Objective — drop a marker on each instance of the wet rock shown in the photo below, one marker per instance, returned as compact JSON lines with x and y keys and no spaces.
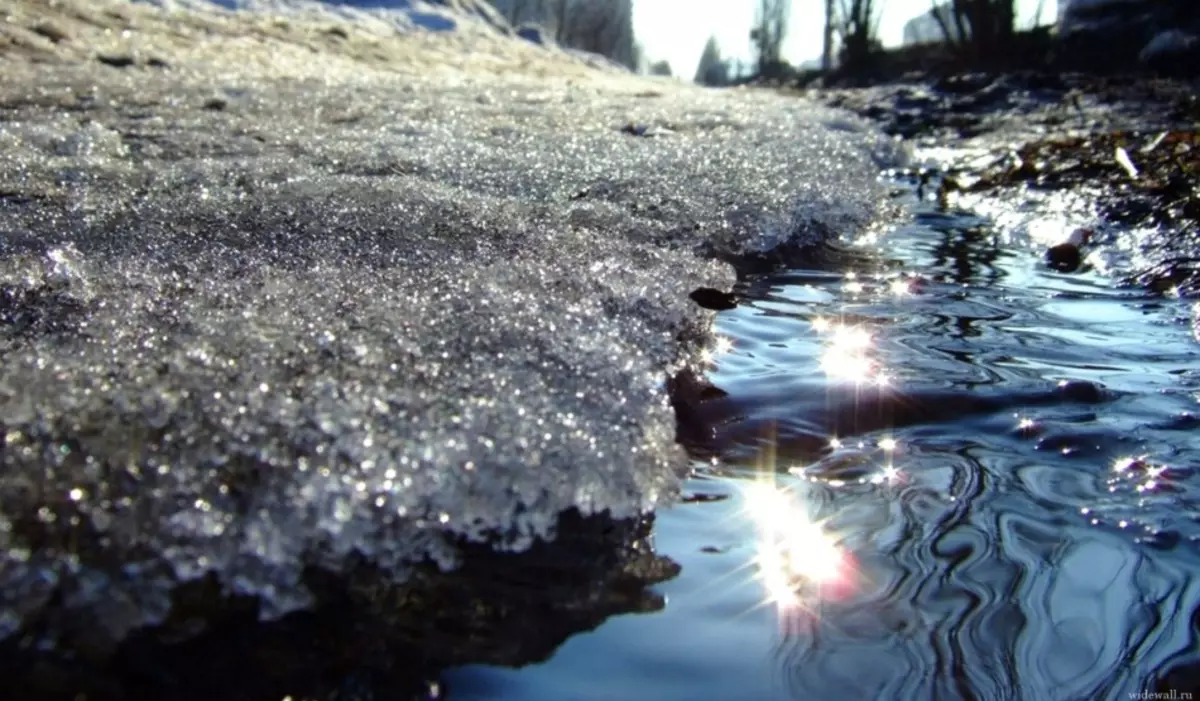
{"x":702,"y":498}
{"x":713,"y":299}
{"x":1083,"y":391}
{"x":1186,"y":421}
{"x":1067,"y":256}
{"x":640,"y":130}
{"x":699,"y":409}
{"x":1064,"y":258}
{"x":1162,"y":539}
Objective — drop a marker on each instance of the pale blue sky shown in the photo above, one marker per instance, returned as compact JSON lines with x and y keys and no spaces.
{"x":676,"y":30}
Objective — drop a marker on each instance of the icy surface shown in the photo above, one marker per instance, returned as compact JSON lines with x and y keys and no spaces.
{"x":267,"y":309}
{"x":405,"y":15}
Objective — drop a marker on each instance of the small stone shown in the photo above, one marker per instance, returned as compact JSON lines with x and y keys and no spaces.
{"x":51,"y":31}
{"x":714,"y":299}
{"x":116,"y":60}
{"x":1067,"y":256}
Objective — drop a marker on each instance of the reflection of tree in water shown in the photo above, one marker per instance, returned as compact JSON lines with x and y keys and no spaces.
{"x":970,"y":252}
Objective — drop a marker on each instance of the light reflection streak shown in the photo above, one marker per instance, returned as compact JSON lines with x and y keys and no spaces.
{"x":1151,"y":477}
{"x":721,"y":346}
{"x":1196,"y":321}
{"x":799,"y":564}
{"x":889,"y":475}
{"x":846,"y":357}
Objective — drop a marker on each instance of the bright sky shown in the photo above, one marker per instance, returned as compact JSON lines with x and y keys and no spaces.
{"x":676,"y":30}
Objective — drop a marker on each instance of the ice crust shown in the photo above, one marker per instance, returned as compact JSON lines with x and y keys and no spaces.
{"x":403,"y":15}
{"x":358,"y":309}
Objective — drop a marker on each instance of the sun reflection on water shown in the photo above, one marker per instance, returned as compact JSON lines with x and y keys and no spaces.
{"x":722,"y":345}
{"x":846,"y":356}
{"x":799,"y":563}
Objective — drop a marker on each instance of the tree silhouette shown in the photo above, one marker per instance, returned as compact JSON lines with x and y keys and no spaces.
{"x":712,"y":69}
{"x":985,"y":26}
{"x":770,"y":29}
{"x":602,"y":27}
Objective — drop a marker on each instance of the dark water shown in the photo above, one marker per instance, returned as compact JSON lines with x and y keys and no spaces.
{"x":975,"y":531}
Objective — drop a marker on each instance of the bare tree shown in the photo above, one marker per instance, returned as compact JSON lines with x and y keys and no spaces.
{"x":986,"y":26}
{"x":557,"y":10}
{"x":1036,"y":21}
{"x":602,"y":27}
{"x":770,"y":29}
{"x":858,"y":28}
{"x":519,"y":12}
{"x":949,"y":23}
{"x":827,"y":43}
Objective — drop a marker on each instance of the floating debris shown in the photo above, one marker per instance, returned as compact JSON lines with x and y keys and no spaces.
{"x":1124,"y":161}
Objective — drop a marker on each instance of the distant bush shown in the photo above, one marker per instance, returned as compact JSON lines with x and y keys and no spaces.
{"x":660,"y":68}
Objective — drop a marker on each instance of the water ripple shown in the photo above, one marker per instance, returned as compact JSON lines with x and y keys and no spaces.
{"x":1001,"y":463}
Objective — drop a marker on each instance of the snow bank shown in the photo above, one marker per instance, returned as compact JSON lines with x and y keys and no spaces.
{"x":330,"y":308}
{"x":404,"y":15}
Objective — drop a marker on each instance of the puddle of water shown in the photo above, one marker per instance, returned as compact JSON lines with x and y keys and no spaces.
{"x":983,"y":538}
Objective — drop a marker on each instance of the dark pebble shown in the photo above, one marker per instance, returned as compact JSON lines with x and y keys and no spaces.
{"x":703,"y":498}
{"x":714,"y":299}
{"x":1064,"y":258}
{"x":51,"y":31}
{"x":1082,"y":391}
{"x":116,"y":60}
